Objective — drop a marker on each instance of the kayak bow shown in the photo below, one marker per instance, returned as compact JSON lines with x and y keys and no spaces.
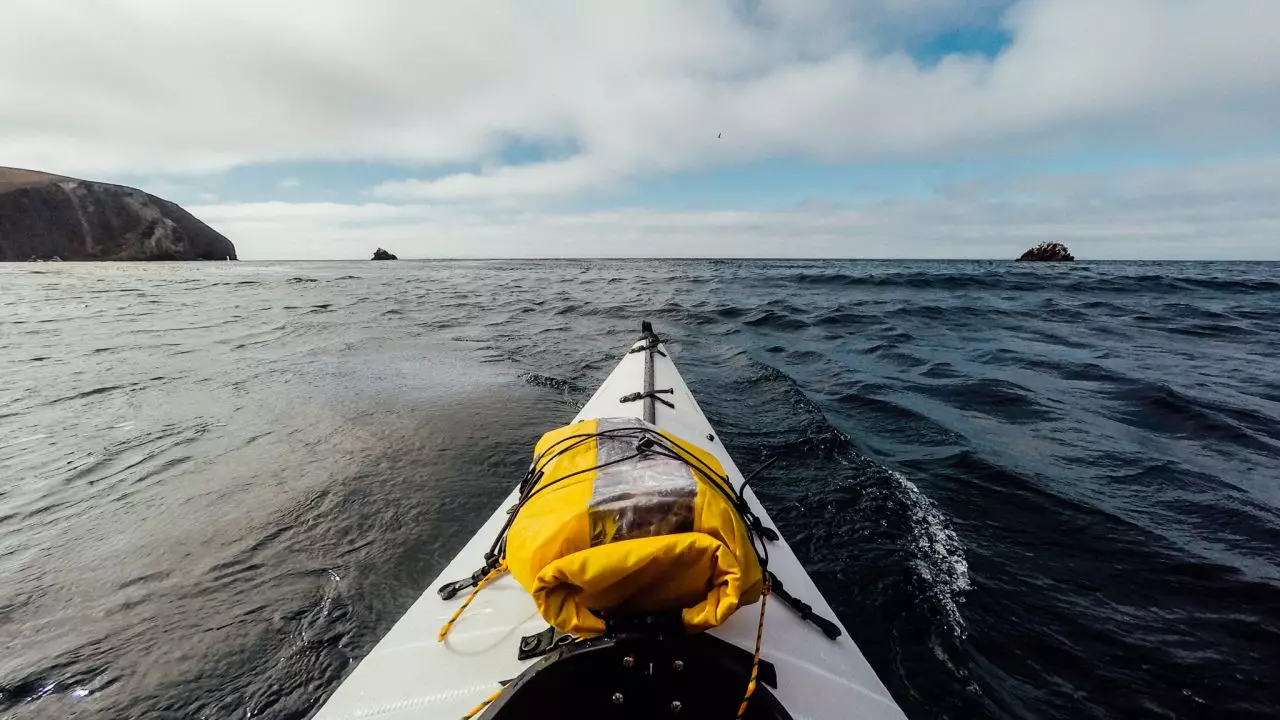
{"x":499,"y":659}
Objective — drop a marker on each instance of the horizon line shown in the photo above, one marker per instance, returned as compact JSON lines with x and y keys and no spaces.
{"x":762,"y":259}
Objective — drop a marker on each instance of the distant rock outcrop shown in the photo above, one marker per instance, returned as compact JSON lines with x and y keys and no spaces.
{"x":381,"y":254}
{"x":45,"y":216}
{"x":1048,"y":252}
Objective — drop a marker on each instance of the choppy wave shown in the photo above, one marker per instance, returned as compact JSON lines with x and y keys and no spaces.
{"x":1029,"y":491}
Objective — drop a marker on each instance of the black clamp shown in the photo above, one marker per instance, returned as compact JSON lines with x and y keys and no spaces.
{"x":537,"y":645}
{"x":450,"y":590}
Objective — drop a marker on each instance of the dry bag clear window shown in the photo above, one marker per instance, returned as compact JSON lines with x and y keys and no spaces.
{"x":645,"y":496}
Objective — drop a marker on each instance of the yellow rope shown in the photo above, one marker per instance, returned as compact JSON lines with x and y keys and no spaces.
{"x":483,"y":704}
{"x":494,"y":573}
{"x":755,"y":660}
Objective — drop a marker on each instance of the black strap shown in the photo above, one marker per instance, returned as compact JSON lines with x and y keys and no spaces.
{"x":653,"y":394}
{"x":650,"y":346}
{"x":650,"y":340}
{"x":652,"y":624}
{"x":763,"y":530}
{"x":803,"y":609}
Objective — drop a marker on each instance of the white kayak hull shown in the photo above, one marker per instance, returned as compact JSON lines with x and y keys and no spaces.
{"x":409,"y":675}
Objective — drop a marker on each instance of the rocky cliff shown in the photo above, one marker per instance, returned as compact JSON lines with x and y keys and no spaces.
{"x":44,"y":216}
{"x":1048,"y":252}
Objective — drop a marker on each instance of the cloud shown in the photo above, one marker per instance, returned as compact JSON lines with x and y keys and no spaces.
{"x":558,"y":178}
{"x":289,"y":182}
{"x":636,"y":88}
{"x":1217,"y":210}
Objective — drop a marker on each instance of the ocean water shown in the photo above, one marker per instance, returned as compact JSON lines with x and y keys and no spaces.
{"x":1029,"y":491}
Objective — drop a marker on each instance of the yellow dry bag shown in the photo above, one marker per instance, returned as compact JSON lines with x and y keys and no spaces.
{"x":619,"y":517}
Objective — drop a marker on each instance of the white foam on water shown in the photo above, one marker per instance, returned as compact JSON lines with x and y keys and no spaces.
{"x":331,"y":590}
{"x":939,"y":554}
{"x":33,"y":438}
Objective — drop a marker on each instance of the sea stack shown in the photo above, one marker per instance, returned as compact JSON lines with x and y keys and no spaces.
{"x":381,"y":254}
{"x":45,"y":216}
{"x":1048,"y":252}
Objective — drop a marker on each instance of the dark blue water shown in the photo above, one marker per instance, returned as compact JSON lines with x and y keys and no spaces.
{"x":1029,"y":491}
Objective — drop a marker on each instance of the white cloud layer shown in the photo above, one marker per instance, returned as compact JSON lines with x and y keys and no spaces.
{"x":1218,"y":211}
{"x":628,"y":87}
{"x":625,"y":90}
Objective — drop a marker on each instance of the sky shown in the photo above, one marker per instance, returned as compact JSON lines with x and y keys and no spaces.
{"x":322,"y":129}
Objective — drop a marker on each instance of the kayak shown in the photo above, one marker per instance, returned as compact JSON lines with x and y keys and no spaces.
{"x":499,"y":659}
